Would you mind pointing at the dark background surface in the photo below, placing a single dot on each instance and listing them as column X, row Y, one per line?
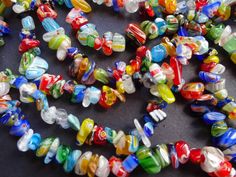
column 180, row 124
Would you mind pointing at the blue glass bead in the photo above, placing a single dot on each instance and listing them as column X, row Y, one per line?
column 20, row 127
column 197, row 108
column 115, row 6
column 223, row 102
column 72, row 51
column 158, row 12
column 130, row 163
column 173, row 156
column 29, row 35
column 88, row 25
column 135, row 132
column 32, row 4
column 11, row 116
column 4, row 30
column 68, row 4
column 227, row 139
column 148, row 129
column 35, row 141
column 28, row 23
column 50, row 24
column 213, row 117
column 209, row 77
column 210, row 9
column 38, row 95
column 158, row 53
column 71, row 160
column 182, row 31
column 19, row 81
column 148, row 118
column 161, row 25
column 88, row 72
column 78, row 94
column 200, row 57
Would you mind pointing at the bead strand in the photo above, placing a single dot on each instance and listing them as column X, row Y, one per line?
column 151, row 160
column 87, row 34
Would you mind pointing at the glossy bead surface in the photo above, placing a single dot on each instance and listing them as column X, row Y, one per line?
column 192, row 90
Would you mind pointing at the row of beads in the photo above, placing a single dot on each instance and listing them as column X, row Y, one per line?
column 88, row 132
column 190, row 26
column 152, row 160
column 87, row 34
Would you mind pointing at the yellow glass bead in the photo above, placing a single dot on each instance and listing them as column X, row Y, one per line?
column 233, row 57
column 81, row 167
column 129, row 70
column 119, row 95
column 44, row 147
column 166, row 93
column 127, row 145
column 93, row 165
column 212, row 58
column 232, row 115
column 85, row 129
column 120, row 87
column 81, row 4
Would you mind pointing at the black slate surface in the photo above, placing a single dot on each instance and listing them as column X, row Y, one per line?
column 180, row 124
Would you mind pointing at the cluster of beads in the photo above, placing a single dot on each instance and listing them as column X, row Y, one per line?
column 87, row 34
column 150, row 7
column 152, row 160
column 31, row 65
column 194, row 22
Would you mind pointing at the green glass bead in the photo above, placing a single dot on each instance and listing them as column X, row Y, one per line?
column 62, row 153
column 60, row 2
column 150, row 29
column 218, row 128
column 163, row 154
column 215, row 32
column 230, row 107
column 153, row 3
column 230, row 45
column 101, row 75
column 25, row 62
column 57, row 89
column 146, row 63
column 91, row 40
column 44, row 147
column 148, row 160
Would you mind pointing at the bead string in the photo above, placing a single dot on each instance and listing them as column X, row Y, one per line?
column 152, row 160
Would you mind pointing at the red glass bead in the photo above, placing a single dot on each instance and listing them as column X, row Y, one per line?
column 47, row 81
column 192, row 90
column 98, row 43
column 99, row 136
column 78, row 22
column 152, row 105
column 224, row 169
column 117, row 168
column 116, row 74
column 195, row 156
column 135, row 64
column 200, row 3
column 141, row 51
column 134, row 32
column 44, row 11
column 107, row 47
column 27, row 44
column 183, row 151
column 207, row 66
column 177, row 67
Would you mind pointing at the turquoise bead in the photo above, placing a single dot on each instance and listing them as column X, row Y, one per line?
column 28, row 23
column 161, row 25
column 71, row 160
column 158, row 53
column 50, row 24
